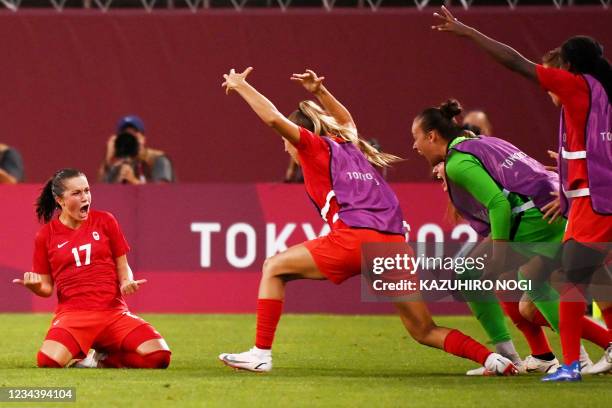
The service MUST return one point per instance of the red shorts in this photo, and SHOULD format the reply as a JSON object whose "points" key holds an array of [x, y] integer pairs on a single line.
{"points": [[338, 254], [101, 330], [584, 225]]}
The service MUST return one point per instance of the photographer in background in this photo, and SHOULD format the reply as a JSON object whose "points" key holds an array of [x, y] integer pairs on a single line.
{"points": [[125, 167], [155, 164], [11, 165]]}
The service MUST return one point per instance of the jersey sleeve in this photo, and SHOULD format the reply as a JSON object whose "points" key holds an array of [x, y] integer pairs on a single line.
{"points": [[40, 259], [466, 171], [567, 86], [118, 244], [310, 143]]}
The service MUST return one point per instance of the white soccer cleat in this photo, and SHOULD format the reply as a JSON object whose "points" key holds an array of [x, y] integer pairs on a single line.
{"points": [[585, 362], [497, 364], [520, 366], [256, 360], [91, 361], [476, 371], [536, 365], [604, 365]]}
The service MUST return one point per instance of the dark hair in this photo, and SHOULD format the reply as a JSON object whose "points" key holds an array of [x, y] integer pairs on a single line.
{"points": [[472, 128], [442, 119], [299, 118], [54, 187], [585, 56], [126, 145]]}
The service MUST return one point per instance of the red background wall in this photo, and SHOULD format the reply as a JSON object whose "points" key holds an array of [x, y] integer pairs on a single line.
{"points": [[157, 223], [67, 78]]}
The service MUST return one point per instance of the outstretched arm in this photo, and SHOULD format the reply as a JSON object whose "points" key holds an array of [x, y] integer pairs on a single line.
{"points": [[265, 109], [502, 53], [314, 84]]}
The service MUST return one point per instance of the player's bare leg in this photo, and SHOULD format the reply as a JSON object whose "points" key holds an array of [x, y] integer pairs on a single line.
{"points": [[52, 352], [294, 263], [417, 320]]}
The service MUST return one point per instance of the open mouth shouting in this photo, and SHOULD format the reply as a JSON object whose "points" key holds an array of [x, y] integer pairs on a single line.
{"points": [[84, 210]]}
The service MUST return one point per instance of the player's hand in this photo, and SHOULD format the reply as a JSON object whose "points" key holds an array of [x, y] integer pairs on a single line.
{"points": [[447, 22], [309, 80], [440, 174], [555, 156], [552, 210], [233, 80], [31, 280], [130, 287]]}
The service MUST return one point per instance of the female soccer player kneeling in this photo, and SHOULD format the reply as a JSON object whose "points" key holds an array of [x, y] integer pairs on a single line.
{"points": [[82, 253], [357, 209]]}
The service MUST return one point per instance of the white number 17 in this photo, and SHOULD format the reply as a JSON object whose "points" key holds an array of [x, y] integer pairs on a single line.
{"points": [[87, 249]]}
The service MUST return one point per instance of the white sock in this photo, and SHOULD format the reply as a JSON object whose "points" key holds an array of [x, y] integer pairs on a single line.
{"points": [[507, 349], [263, 352]]}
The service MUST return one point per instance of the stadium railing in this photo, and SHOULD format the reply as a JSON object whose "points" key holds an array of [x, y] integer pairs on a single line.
{"points": [[195, 5]]}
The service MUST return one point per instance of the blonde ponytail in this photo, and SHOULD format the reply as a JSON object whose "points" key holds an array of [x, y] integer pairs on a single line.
{"points": [[325, 125]]}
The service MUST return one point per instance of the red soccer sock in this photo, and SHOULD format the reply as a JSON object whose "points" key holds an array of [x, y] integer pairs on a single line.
{"points": [[607, 317], [44, 361], [131, 359], [571, 312], [538, 343], [268, 314], [464, 346], [540, 320], [595, 333]]}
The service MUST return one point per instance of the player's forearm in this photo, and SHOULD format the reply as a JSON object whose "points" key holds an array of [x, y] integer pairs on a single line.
{"points": [[261, 105], [500, 216], [124, 273], [334, 107], [504, 54]]}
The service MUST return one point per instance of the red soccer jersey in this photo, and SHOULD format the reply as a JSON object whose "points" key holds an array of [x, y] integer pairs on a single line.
{"points": [[315, 160], [573, 92], [584, 225], [82, 262]]}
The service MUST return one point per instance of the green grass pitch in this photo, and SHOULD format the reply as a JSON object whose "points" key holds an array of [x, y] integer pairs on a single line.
{"points": [[319, 360]]}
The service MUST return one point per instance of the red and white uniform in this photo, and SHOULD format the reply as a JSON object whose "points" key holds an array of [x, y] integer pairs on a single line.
{"points": [[82, 264], [584, 225], [338, 254]]}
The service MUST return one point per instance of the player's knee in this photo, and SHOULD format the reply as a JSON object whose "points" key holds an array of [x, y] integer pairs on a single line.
{"points": [[271, 266], [158, 359], [44, 361]]}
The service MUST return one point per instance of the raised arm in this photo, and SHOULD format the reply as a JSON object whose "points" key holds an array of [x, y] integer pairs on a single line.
{"points": [[502, 53], [314, 84], [265, 109]]}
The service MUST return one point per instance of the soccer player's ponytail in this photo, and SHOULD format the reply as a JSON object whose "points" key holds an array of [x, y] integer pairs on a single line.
{"points": [[314, 118], [53, 188], [442, 119]]}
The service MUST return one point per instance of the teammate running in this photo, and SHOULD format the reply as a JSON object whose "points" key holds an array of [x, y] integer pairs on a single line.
{"points": [[359, 209]]}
